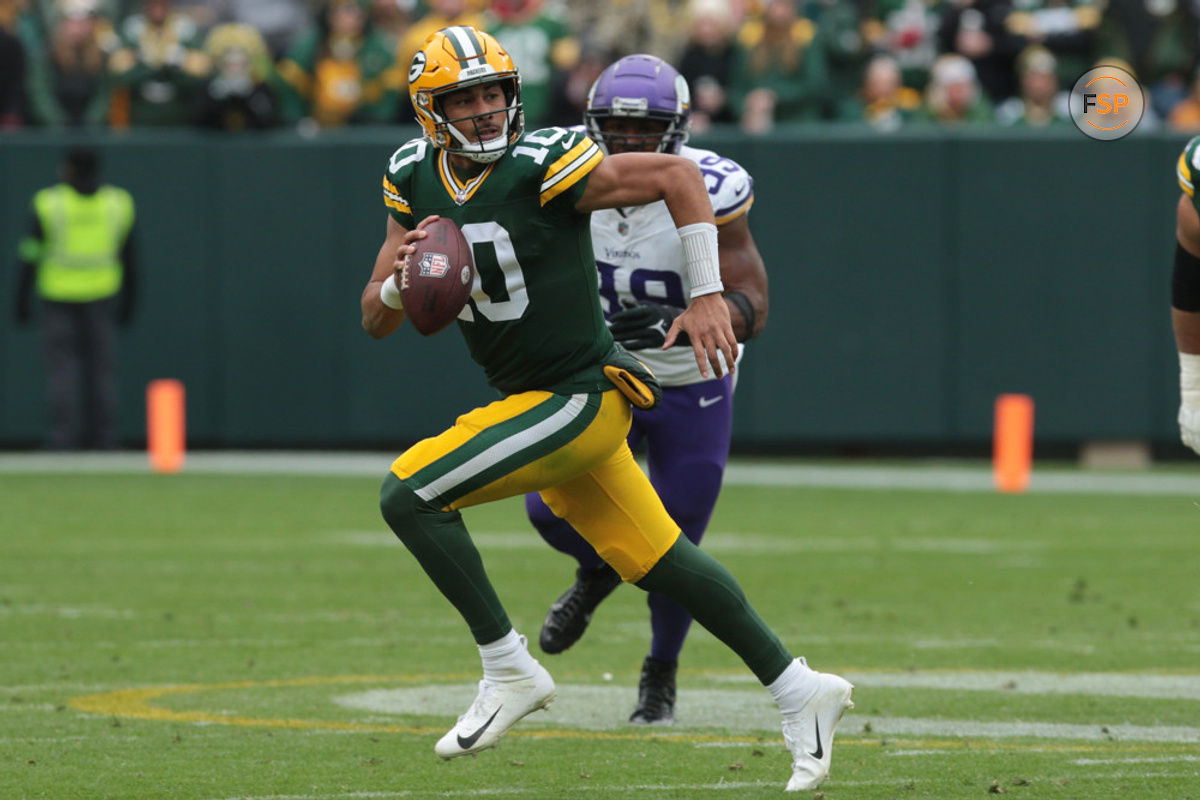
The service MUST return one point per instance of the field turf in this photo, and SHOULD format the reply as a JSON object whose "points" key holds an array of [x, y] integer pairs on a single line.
{"points": [[210, 636]]}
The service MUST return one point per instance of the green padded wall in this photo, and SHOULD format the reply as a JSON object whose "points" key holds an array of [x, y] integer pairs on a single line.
{"points": [[913, 278]]}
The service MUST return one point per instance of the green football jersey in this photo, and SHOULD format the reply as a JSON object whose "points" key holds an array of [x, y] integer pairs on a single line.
{"points": [[533, 320], [1187, 168]]}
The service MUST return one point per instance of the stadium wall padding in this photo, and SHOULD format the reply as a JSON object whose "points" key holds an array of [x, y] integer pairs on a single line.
{"points": [[913, 277]]}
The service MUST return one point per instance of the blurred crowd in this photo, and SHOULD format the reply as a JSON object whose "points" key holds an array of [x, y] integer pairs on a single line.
{"points": [[759, 64]]}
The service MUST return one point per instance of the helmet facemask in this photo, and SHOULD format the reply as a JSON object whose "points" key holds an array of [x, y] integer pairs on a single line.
{"points": [[667, 140], [453, 140], [640, 87]]}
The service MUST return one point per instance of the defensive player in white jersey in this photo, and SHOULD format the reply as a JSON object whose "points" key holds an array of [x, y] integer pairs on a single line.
{"points": [[641, 103]]}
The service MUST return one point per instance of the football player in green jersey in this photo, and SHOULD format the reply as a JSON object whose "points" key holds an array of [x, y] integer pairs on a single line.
{"points": [[533, 322], [1185, 295]]}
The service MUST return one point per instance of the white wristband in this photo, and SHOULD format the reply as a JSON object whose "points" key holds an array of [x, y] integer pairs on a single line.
{"points": [[1189, 380], [389, 295], [703, 262]]}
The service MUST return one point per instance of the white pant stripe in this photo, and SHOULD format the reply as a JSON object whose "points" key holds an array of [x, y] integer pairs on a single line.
{"points": [[505, 448]]}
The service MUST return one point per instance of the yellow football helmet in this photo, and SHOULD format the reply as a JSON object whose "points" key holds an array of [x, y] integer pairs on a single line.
{"points": [[456, 58]]}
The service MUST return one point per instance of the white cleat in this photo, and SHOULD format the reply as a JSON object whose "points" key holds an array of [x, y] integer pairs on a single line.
{"points": [[809, 732], [497, 708]]}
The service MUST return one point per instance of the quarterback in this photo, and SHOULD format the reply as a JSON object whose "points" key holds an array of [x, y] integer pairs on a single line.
{"points": [[1185, 295], [641, 103], [534, 324]]}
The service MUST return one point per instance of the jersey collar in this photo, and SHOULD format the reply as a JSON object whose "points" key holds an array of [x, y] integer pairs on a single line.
{"points": [[459, 192]]}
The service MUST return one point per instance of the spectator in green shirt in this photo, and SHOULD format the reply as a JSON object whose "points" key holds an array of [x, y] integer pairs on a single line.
{"points": [[541, 43], [780, 73], [954, 96], [882, 101], [158, 68], [1040, 103], [342, 73], [68, 79]]}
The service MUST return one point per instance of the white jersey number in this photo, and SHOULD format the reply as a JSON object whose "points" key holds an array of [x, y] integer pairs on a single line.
{"points": [[509, 303]]}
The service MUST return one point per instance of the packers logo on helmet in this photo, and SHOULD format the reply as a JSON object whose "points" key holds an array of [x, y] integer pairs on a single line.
{"points": [[457, 58]]}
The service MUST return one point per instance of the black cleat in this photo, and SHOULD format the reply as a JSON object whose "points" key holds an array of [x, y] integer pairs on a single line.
{"points": [[568, 618], [656, 693]]}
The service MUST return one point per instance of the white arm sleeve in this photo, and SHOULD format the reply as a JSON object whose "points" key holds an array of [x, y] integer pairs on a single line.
{"points": [[703, 261]]}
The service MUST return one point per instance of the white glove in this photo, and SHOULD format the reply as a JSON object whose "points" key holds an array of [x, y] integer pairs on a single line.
{"points": [[1189, 396]]}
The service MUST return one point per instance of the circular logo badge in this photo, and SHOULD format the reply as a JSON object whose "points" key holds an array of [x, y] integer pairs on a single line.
{"points": [[1107, 103], [465, 274], [417, 67]]}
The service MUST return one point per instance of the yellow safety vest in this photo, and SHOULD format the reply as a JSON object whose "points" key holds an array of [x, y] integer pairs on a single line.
{"points": [[82, 238]]}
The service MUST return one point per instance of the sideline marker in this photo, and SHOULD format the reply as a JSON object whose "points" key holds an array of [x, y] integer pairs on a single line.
{"points": [[165, 425], [1012, 443]]}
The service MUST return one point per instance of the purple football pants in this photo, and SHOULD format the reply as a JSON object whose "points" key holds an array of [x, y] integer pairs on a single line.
{"points": [[687, 445]]}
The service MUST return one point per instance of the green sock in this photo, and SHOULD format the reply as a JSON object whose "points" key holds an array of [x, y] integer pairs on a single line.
{"points": [[440, 542], [699, 583]]}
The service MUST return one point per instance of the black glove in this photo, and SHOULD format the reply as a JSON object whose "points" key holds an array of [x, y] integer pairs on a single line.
{"points": [[645, 326]]}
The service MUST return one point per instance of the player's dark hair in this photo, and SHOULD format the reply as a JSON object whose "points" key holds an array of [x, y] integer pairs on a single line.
{"points": [[82, 166]]}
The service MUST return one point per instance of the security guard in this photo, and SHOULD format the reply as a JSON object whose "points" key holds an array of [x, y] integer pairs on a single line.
{"points": [[79, 256]]}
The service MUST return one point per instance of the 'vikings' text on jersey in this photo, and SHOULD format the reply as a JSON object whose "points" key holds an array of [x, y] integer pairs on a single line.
{"points": [[641, 259]]}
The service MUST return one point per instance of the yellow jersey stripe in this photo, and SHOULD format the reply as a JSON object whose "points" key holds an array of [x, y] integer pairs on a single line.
{"points": [[393, 199], [569, 169], [396, 204], [458, 191], [737, 212], [449, 182], [1184, 173]]}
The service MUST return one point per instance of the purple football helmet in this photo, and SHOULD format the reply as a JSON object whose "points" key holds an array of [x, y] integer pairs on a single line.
{"points": [[640, 87]]}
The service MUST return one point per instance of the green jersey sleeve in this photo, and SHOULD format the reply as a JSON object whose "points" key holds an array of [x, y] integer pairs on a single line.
{"points": [[570, 158], [397, 181]]}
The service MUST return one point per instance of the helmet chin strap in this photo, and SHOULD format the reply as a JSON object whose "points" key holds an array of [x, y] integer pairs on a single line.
{"points": [[474, 151]]}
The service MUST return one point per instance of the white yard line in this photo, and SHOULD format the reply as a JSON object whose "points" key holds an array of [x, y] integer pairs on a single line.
{"points": [[1147, 760], [973, 729], [606, 790], [617, 790], [596, 707], [1111, 684], [965, 476]]}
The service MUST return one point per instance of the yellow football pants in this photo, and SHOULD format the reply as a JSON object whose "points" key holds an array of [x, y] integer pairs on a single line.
{"points": [[571, 449]]}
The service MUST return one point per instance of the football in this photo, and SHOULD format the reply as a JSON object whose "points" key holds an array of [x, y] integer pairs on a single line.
{"points": [[437, 277]]}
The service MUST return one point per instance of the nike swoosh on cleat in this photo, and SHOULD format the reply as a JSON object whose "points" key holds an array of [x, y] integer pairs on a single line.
{"points": [[815, 754], [466, 741]]}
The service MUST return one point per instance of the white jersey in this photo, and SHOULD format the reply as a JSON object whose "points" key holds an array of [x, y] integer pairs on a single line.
{"points": [[640, 257]]}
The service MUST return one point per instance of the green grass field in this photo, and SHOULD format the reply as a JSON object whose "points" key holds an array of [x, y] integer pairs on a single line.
{"points": [[210, 636]]}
